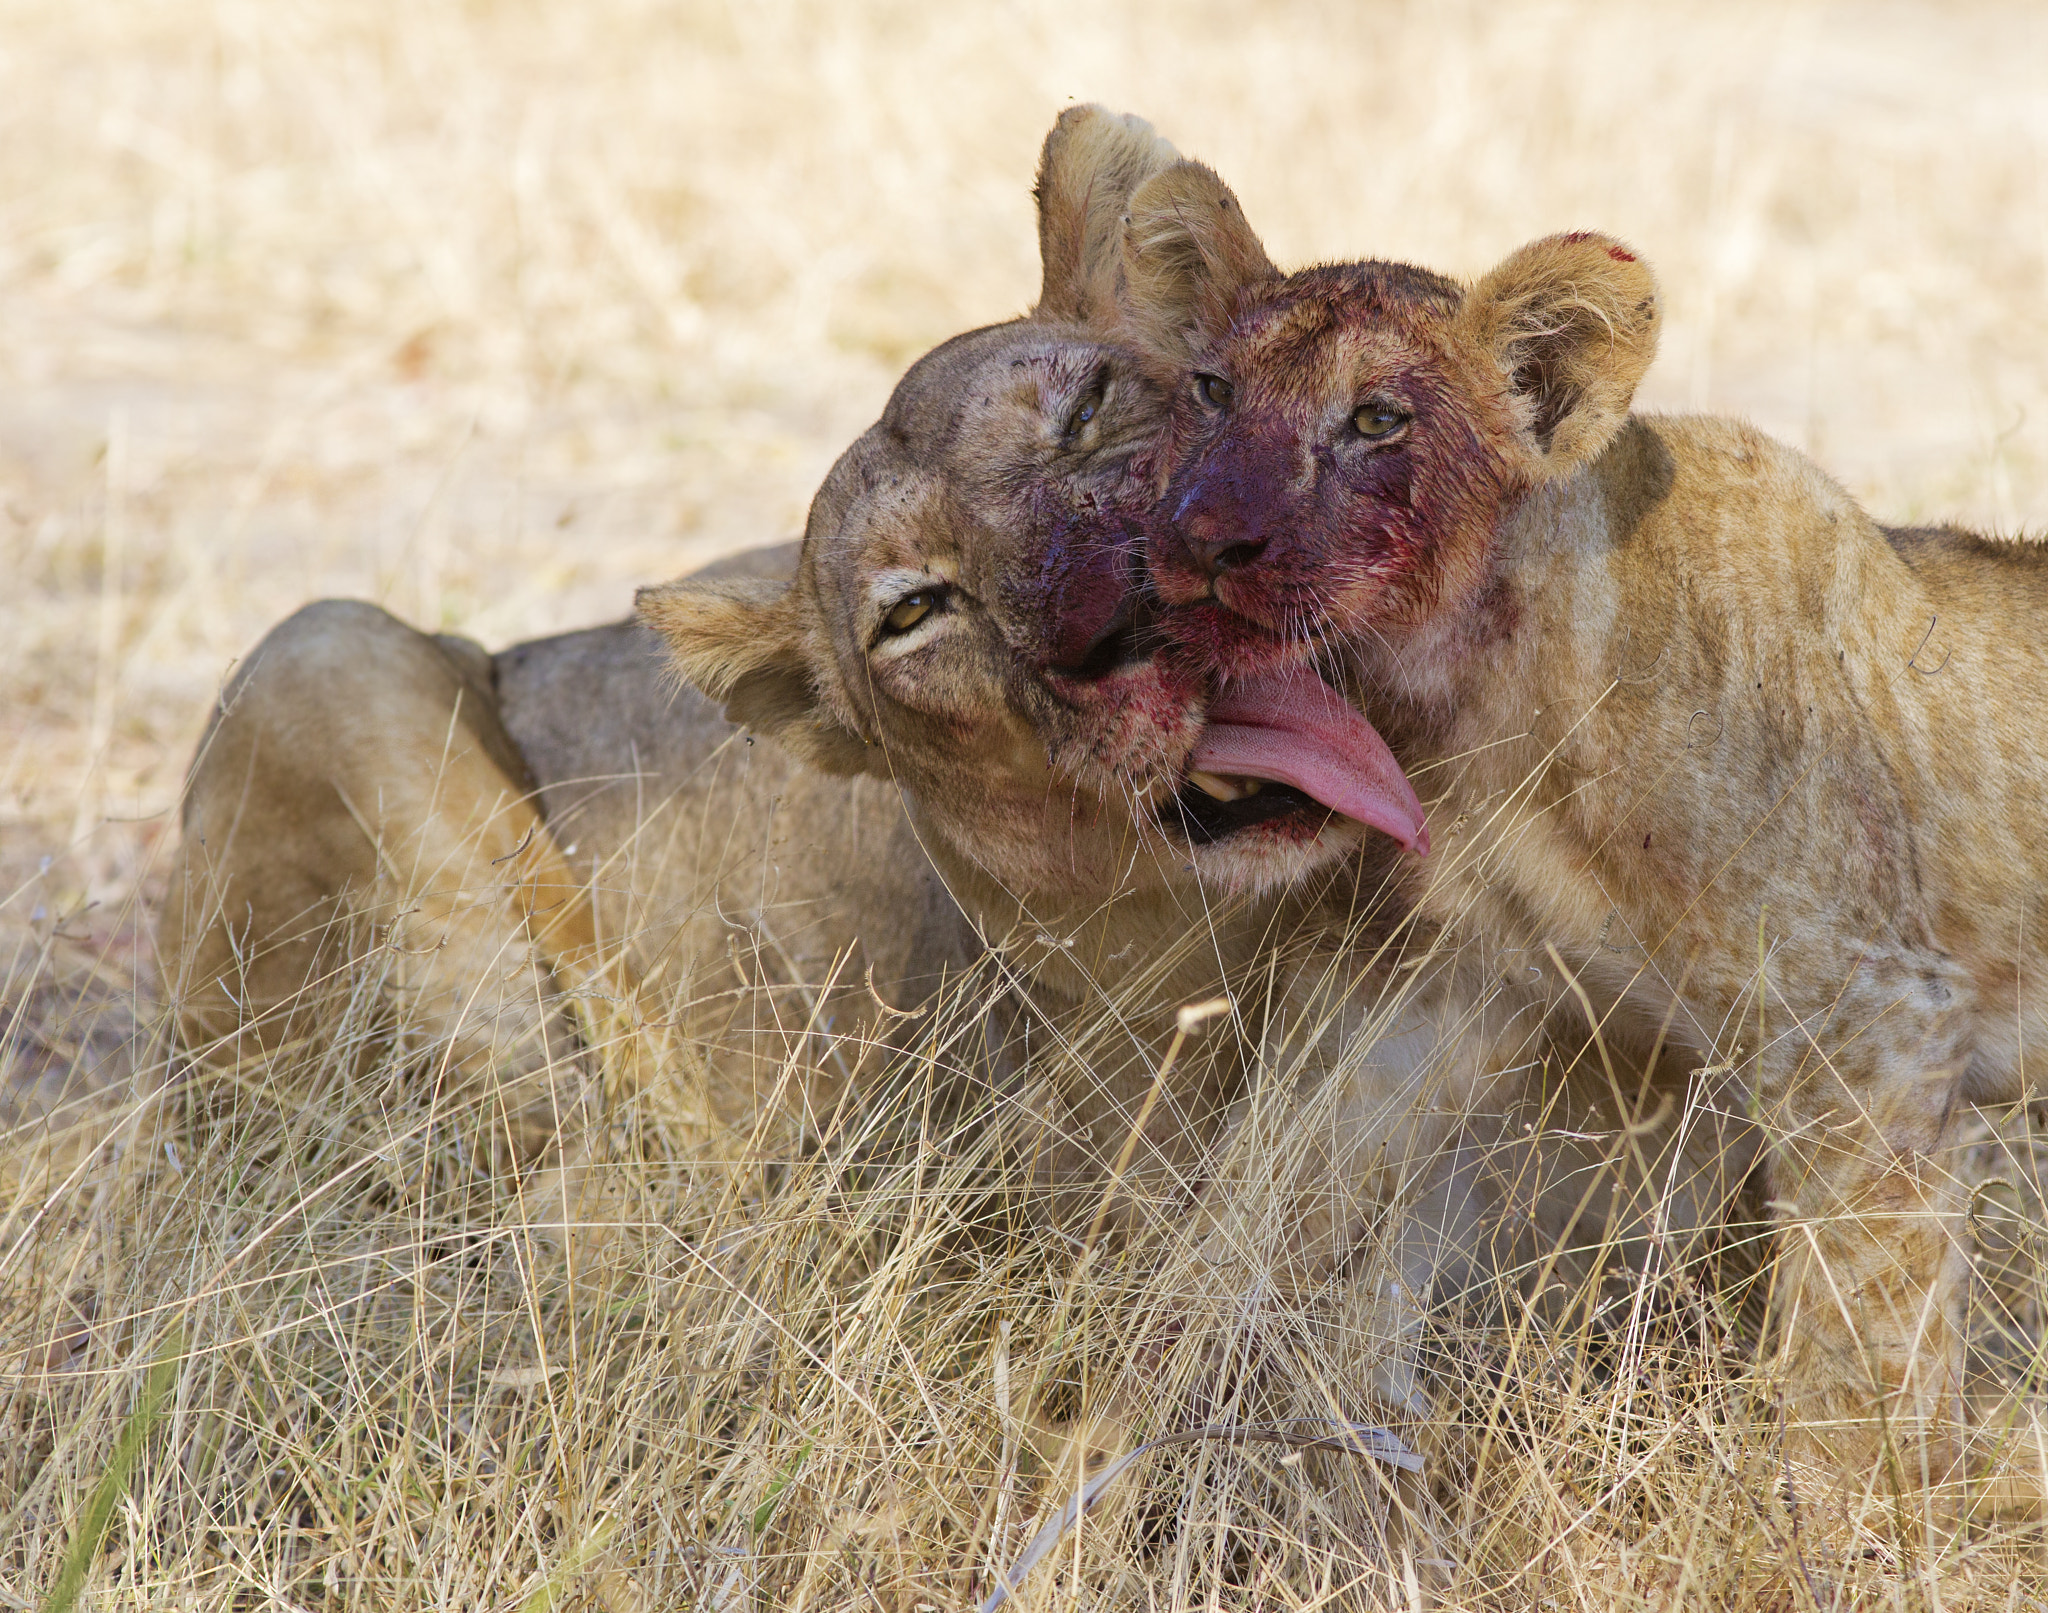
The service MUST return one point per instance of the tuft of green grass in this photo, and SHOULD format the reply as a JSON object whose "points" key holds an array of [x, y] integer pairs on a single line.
{"points": [[91, 1526]]}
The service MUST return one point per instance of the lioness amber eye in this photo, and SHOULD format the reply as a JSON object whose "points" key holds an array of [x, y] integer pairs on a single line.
{"points": [[1378, 420], [1215, 391], [909, 611]]}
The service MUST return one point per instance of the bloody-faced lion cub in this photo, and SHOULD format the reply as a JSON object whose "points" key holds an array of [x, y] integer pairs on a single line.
{"points": [[1705, 741]]}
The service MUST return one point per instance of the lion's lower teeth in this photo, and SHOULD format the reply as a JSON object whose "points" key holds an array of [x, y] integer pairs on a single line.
{"points": [[1219, 788]]}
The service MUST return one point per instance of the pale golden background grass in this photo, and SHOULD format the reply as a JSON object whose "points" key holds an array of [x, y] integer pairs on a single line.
{"points": [[492, 312]]}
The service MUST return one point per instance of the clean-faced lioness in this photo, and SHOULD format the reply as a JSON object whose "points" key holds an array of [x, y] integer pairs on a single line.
{"points": [[1706, 742]]}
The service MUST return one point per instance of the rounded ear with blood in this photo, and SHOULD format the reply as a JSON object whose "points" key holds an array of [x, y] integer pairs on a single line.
{"points": [[1187, 252], [1093, 160], [1571, 322], [743, 643]]}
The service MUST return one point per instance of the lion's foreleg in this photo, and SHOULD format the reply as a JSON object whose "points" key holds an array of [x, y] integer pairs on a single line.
{"points": [[1868, 1296]]}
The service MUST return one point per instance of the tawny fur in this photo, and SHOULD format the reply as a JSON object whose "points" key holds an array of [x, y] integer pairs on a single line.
{"points": [[1752, 768]]}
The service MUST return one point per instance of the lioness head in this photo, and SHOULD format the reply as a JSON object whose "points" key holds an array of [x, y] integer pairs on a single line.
{"points": [[1352, 432], [970, 617]]}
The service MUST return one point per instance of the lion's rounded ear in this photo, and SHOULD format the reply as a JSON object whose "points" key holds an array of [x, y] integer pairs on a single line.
{"points": [[742, 642], [1093, 160], [1571, 321], [1187, 252]]}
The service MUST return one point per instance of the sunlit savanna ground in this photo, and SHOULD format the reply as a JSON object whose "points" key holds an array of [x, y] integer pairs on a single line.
{"points": [[490, 313]]}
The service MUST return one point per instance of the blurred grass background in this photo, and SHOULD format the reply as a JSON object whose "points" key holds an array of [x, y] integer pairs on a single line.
{"points": [[490, 312]]}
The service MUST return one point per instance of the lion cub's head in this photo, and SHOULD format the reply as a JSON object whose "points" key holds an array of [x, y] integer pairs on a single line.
{"points": [[1352, 432]]}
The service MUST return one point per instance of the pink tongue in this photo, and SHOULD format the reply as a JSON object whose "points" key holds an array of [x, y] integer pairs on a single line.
{"points": [[1293, 728]]}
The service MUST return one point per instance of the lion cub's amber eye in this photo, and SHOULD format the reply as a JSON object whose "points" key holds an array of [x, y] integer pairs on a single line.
{"points": [[1215, 391], [1377, 420], [911, 609]]}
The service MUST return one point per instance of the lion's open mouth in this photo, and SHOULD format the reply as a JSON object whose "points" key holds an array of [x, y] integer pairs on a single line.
{"points": [[1205, 814], [1284, 744]]}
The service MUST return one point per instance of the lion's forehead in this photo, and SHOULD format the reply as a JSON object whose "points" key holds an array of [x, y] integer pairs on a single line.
{"points": [[899, 520], [1030, 370], [1064, 361], [1330, 327], [1312, 365]]}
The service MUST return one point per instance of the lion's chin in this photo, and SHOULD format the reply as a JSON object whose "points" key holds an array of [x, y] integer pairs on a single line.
{"points": [[1276, 852]]}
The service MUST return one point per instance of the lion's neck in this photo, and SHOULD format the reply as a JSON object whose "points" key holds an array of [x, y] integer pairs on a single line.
{"points": [[1101, 943], [1535, 619]]}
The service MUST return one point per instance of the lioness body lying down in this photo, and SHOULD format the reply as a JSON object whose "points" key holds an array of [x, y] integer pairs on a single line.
{"points": [[457, 803], [1714, 747]]}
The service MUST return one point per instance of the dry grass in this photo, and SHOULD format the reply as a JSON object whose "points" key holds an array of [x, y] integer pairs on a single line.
{"points": [[492, 312]]}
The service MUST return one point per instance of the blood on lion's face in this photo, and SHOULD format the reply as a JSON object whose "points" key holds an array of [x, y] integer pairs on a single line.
{"points": [[1336, 473]]}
